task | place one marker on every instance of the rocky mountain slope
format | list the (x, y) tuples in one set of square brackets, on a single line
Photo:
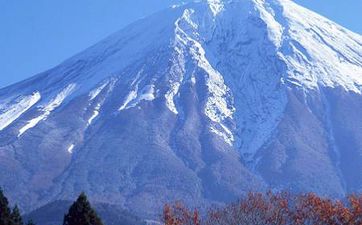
[(200, 102)]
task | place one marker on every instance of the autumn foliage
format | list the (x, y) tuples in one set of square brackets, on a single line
[(272, 208), (178, 214)]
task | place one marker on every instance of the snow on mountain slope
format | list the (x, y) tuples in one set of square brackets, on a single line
[(53, 104), (11, 112), (323, 53), (200, 102), (216, 6)]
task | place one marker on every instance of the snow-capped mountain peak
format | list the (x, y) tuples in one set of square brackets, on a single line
[(228, 95)]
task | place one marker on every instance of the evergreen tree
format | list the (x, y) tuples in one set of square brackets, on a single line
[(16, 217), (30, 222), (5, 213), (81, 213)]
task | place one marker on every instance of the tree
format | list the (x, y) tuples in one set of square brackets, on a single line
[(81, 213), (30, 222), (5, 213), (178, 214), (16, 217), (272, 208)]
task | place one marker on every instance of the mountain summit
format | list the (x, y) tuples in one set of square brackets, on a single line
[(200, 102)]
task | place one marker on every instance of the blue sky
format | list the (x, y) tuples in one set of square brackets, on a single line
[(37, 35)]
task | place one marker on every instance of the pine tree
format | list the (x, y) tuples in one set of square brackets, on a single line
[(30, 222), (16, 217), (5, 213), (81, 213)]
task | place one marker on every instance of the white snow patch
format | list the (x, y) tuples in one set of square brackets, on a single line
[(130, 97), (193, 80), (275, 29), (319, 52), (170, 97), (53, 104), (14, 111), (31, 123), (111, 84), (216, 6), (94, 93), (71, 148), (58, 100), (134, 97), (95, 114), (177, 70), (226, 134), (186, 16), (217, 107), (148, 93)]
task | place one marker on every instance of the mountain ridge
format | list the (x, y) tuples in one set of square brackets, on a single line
[(231, 96)]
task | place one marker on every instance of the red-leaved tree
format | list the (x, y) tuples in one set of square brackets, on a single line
[(270, 209)]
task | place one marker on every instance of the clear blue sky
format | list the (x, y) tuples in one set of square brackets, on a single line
[(39, 34)]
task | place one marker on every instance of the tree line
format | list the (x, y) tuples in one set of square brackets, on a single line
[(271, 209), (253, 209), (80, 213)]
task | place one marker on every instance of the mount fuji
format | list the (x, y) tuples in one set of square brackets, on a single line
[(200, 102)]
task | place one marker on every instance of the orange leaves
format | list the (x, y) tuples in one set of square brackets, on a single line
[(255, 208), (316, 210), (356, 208), (272, 208), (178, 214)]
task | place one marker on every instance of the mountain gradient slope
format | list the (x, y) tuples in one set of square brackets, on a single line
[(200, 102)]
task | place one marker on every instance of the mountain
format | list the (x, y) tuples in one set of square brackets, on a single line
[(200, 102)]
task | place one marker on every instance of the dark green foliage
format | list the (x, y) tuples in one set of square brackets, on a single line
[(30, 222), (16, 217), (81, 213), (8, 217), (53, 214), (5, 213)]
